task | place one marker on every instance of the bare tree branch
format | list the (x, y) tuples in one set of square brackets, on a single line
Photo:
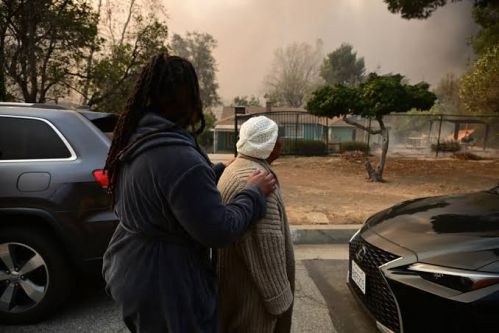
[(90, 60), (71, 87), (127, 22), (110, 21)]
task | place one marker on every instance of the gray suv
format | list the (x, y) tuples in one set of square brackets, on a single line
[(55, 215)]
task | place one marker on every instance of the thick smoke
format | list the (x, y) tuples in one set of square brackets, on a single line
[(248, 31)]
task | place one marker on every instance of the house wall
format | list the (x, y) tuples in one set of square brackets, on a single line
[(341, 134), (314, 132), (224, 142)]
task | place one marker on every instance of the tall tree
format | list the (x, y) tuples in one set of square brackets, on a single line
[(6, 13), (112, 75), (198, 49), (447, 92), (42, 43), (423, 9), (374, 98), (480, 86), (343, 66), (486, 16), (294, 74), (246, 101)]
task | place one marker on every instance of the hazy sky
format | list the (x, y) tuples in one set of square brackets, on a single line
[(248, 31)]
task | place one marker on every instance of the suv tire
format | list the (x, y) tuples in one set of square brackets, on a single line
[(34, 275)]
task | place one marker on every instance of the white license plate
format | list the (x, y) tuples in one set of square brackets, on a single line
[(359, 277)]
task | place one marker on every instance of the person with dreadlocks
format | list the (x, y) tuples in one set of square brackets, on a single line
[(157, 266)]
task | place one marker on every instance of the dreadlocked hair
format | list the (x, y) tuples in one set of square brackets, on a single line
[(168, 86)]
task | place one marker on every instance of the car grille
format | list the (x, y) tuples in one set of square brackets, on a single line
[(378, 298)]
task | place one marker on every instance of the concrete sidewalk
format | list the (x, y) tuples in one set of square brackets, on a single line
[(323, 234)]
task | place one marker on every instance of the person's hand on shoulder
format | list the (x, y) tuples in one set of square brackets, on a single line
[(264, 180)]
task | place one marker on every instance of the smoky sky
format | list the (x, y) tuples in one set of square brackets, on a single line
[(248, 32)]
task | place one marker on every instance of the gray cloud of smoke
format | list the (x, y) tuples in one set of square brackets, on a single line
[(248, 32)]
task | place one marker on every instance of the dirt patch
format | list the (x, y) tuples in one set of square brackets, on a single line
[(332, 190)]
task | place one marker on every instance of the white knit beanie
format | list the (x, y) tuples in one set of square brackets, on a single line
[(257, 137)]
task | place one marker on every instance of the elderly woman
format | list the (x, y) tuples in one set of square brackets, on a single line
[(256, 273)]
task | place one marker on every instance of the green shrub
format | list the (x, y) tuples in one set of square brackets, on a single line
[(303, 147), (354, 146), (447, 146)]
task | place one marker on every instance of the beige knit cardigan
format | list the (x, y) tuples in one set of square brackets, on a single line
[(256, 274)]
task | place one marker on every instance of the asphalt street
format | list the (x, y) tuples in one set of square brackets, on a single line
[(322, 302)]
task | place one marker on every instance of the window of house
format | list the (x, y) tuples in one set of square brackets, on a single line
[(28, 139), (292, 131)]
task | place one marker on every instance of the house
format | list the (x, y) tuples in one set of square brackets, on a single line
[(294, 124)]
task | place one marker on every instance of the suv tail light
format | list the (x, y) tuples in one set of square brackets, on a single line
[(101, 177)]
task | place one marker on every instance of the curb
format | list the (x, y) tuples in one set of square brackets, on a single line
[(323, 234)]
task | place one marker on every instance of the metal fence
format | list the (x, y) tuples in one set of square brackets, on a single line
[(409, 134), (413, 134), (301, 133)]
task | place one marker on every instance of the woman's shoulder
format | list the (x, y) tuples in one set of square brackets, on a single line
[(168, 164)]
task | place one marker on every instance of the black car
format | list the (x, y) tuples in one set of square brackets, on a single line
[(430, 265), (55, 215)]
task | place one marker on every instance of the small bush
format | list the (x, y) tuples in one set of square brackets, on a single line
[(467, 156), (303, 147), (354, 146), (446, 146)]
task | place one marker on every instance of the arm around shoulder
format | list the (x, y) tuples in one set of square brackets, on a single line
[(197, 205)]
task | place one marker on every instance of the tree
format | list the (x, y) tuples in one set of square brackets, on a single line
[(480, 86), (42, 44), (410, 9), (111, 79), (294, 74), (374, 98), (246, 101), (487, 17), (447, 92), (205, 139), (129, 35), (6, 13), (343, 66), (485, 13), (198, 49)]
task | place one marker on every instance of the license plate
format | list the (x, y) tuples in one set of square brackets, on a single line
[(359, 277)]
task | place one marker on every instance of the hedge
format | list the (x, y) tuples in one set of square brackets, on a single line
[(303, 147), (354, 146)]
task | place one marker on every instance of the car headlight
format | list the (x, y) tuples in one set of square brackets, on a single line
[(456, 279)]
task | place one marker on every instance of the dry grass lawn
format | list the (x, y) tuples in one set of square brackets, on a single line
[(331, 190)]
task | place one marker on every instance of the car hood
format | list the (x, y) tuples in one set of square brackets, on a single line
[(459, 231)]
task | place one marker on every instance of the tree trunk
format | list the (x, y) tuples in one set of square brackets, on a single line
[(3, 88), (31, 53), (376, 175), (86, 88)]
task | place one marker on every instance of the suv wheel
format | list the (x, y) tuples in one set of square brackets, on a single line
[(34, 277)]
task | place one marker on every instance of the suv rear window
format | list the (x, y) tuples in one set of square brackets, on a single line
[(103, 121), (27, 139)]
